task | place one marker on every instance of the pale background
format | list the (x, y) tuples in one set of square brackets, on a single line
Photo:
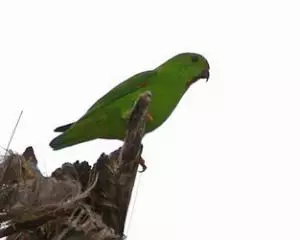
[(226, 163)]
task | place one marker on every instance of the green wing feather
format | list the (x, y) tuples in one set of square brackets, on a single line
[(126, 87)]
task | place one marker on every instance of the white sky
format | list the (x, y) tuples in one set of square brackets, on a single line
[(226, 163)]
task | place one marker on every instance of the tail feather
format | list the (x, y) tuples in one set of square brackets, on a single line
[(60, 142), (65, 140), (57, 142), (63, 128), (78, 133)]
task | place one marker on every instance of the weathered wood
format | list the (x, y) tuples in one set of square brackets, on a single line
[(96, 204)]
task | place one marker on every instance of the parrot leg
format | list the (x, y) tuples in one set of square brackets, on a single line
[(149, 117)]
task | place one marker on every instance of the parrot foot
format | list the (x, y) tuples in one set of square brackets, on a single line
[(142, 164), (149, 117)]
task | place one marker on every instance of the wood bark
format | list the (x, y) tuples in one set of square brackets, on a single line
[(77, 201)]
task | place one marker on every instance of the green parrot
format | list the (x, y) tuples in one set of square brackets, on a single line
[(108, 116)]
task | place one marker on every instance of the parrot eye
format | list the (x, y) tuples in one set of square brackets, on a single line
[(194, 58)]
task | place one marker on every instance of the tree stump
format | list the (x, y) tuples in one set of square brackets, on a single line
[(77, 201)]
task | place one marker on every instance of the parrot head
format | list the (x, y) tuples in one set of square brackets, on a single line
[(190, 67)]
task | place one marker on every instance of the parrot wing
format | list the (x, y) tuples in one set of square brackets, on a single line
[(126, 87)]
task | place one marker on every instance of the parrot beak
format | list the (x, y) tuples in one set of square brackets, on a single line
[(203, 75)]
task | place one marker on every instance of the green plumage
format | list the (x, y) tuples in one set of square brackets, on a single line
[(107, 118)]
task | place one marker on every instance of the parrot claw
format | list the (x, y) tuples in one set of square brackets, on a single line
[(149, 117), (143, 165)]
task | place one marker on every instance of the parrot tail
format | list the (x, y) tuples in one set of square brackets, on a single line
[(57, 142), (61, 141), (63, 128)]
